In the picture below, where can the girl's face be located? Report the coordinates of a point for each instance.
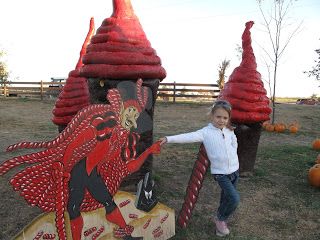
(220, 118)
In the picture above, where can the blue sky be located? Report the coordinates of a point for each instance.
(43, 38)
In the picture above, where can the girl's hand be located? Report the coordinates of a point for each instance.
(163, 141)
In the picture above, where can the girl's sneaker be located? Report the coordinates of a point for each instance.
(221, 228)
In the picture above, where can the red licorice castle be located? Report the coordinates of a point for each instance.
(75, 94)
(244, 89)
(120, 49)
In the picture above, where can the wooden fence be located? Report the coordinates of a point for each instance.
(166, 91)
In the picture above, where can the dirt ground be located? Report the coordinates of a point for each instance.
(256, 218)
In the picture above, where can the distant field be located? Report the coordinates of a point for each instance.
(286, 100)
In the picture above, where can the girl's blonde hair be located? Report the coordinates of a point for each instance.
(222, 104)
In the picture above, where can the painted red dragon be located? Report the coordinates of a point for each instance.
(82, 168)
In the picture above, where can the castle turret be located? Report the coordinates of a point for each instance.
(250, 104)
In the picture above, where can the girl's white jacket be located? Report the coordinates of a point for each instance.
(221, 146)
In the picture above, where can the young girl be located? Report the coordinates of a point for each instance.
(221, 146)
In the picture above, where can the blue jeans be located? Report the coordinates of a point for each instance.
(229, 198)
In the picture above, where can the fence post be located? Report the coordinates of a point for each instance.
(41, 90)
(174, 91)
(5, 89)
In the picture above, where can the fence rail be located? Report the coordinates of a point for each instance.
(166, 91)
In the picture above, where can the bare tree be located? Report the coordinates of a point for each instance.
(269, 79)
(4, 73)
(315, 72)
(222, 70)
(267, 64)
(275, 20)
(239, 51)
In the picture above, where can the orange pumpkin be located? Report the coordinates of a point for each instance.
(316, 144)
(265, 123)
(293, 128)
(269, 127)
(314, 175)
(279, 127)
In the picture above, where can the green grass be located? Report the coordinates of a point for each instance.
(288, 164)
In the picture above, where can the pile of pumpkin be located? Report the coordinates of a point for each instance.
(314, 171)
(280, 127)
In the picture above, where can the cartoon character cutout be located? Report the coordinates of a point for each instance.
(82, 168)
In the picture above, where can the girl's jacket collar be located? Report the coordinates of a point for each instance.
(210, 125)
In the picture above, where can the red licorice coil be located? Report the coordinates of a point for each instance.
(147, 224)
(133, 215)
(164, 218)
(195, 183)
(89, 231)
(97, 234)
(124, 203)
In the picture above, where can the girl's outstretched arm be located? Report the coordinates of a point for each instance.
(190, 137)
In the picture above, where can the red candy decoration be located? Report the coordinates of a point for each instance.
(195, 183)
(244, 89)
(75, 94)
(120, 49)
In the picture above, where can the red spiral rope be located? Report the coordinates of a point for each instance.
(195, 183)
(80, 119)
(60, 200)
